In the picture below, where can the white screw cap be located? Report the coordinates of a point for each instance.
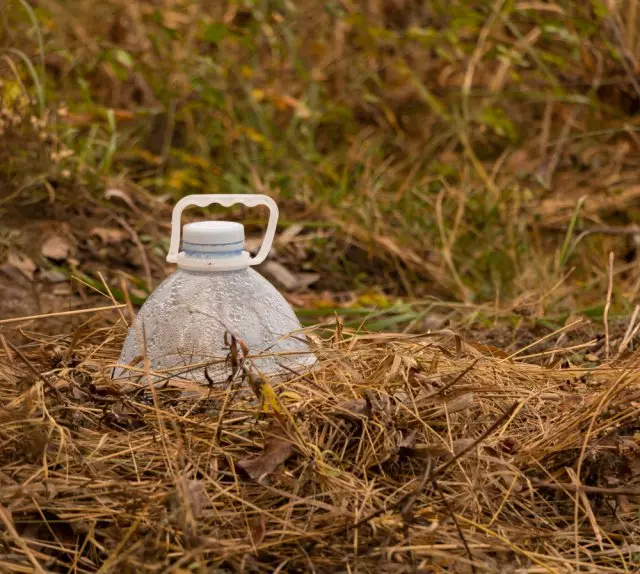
(202, 234)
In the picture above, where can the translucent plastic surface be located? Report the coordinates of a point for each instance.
(186, 317)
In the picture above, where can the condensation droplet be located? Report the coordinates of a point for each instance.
(186, 317)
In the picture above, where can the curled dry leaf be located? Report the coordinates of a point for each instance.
(277, 449)
(56, 248)
(22, 263)
(109, 235)
(111, 193)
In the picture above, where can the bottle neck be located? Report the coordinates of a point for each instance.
(213, 260)
(202, 251)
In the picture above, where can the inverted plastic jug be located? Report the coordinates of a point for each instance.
(188, 322)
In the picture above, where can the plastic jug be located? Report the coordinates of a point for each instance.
(188, 322)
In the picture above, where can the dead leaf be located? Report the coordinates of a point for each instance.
(433, 322)
(277, 449)
(510, 480)
(193, 494)
(288, 234)
(281, 275)
(51, 276)
(354, 410)
(109, 235)
(307, 279)
(22, 263)
(465, 401)
(187, 503)
(488, 350)
(408, 441)
(56, 248)
(111, 193)
(258, 530)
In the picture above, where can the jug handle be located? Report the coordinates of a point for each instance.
(226, 200)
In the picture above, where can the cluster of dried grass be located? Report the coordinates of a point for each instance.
(401, 453)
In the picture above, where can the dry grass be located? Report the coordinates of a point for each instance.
(484, 153)
(399, 453)
(432, 148)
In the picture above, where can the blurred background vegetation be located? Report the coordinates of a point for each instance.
(435, 162)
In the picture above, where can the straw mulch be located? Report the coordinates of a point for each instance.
(397, 454)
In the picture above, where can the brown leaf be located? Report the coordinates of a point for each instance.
(56, 247)
(277, 450)
(489, 350)
(258, 530)
(408, 441)
(193, 494)
(355, 409)
(280, 274)
(465, 401)
(109, 235)
(22, 263)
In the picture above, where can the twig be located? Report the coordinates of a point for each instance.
(570, 487)
(407, 509)
(600, 230)
(440, 470)
(587, 507)
(110, 293)
(35, 371)
(630, 333)
(607, 306)
(431, 475)
(541, 339)
(456, 523)
(453, 382)
(127, 301)
(7, 351)
(61, 314)
(143, 255)
(5, 517)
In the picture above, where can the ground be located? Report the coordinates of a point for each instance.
(441, 167)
